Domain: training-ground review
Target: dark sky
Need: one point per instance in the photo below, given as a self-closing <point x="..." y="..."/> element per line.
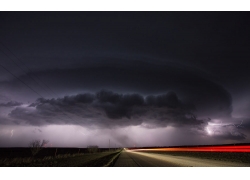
<point x="136" y="78"/>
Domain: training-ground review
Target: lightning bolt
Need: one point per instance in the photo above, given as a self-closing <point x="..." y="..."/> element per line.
<point x="239" y="125"/>
<point x="11" y="133"/>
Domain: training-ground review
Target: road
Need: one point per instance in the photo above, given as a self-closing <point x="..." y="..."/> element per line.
<point x="142" y="159"/>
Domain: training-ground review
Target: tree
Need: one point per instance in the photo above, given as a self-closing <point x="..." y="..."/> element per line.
<point x="36" y="146"/>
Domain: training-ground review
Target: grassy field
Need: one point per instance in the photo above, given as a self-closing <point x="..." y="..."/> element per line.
<point x="67" y="160"/>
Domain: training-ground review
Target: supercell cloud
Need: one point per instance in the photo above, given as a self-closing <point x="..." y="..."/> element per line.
<point x="137" y="78"/>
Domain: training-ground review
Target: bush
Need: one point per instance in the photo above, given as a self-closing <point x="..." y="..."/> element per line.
<point x="36" y="146"/>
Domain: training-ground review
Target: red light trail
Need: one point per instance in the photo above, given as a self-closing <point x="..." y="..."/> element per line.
<point x="236" y="148"/>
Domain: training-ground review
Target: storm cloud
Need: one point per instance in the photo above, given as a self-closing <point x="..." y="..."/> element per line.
<point x="177" y="74"/>
<point x="109" y="109"/>
<point x="191" y="85"/>
<point x="10" y="104"/>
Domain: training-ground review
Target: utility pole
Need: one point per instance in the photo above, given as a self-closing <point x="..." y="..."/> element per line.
<point x="109" y="144"/>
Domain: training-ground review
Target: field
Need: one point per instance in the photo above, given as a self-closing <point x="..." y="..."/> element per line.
<point x="58" y="157"/>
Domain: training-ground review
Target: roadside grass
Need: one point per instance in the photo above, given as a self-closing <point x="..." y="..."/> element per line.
<point x="67" y="160"/>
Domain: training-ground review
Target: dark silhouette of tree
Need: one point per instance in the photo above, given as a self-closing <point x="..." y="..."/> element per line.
<point x="36" y="146"/>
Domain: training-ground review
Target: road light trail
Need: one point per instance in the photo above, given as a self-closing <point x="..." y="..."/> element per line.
<point x="237" y="148"/>
<point x="130" y="158"/>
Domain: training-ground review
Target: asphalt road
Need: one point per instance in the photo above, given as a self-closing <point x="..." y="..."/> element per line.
<point x="141" y="159"/>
